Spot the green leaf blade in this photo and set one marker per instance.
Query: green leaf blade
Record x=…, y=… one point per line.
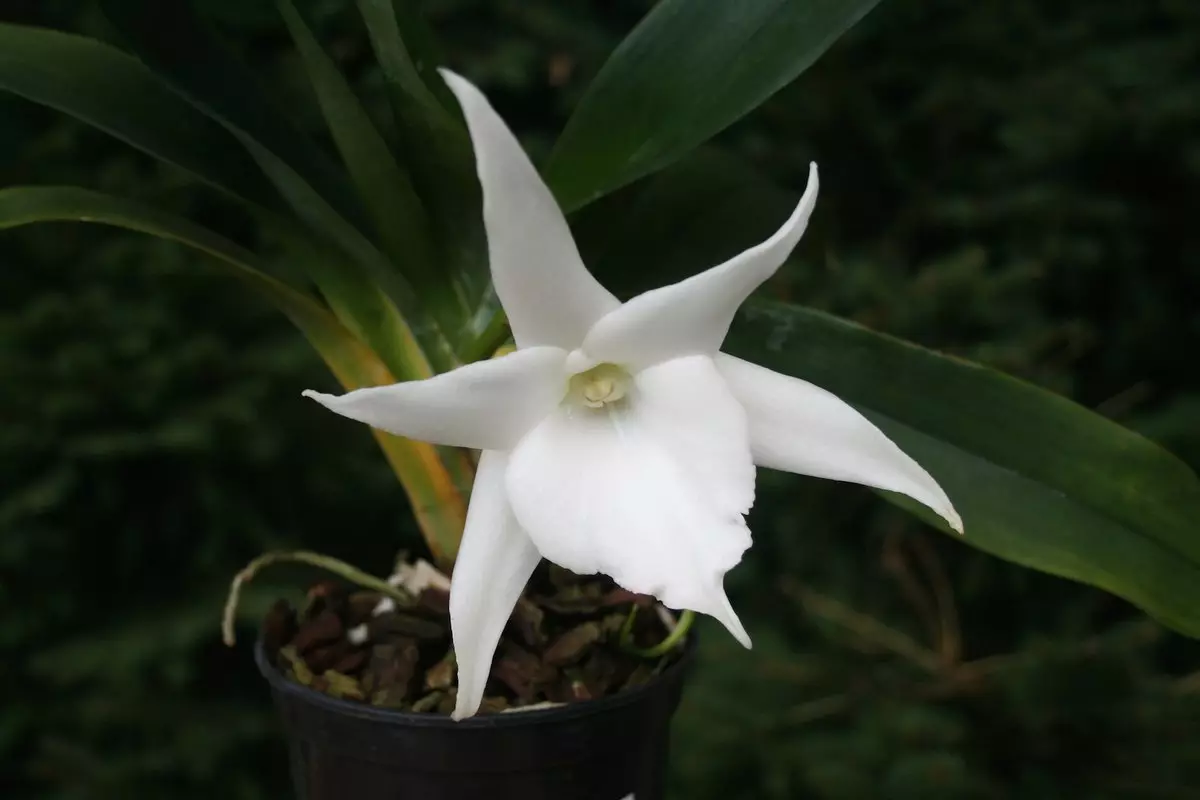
x=178, y=46
x=690, y=69
x=24, y=205
x=112, y=91
x=433, y=483
x=436, y=150
x=1084, y=546
x=397, y=214
x=357, y=281
x=170, y=38
x=401, y=28
x=1037, y=479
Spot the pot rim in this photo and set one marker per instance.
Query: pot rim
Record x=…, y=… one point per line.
x=567, y=711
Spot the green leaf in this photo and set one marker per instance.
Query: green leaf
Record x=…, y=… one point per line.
x=437, y=500
x=23, y=205
x=347, y=277
x=114, y=92
x=175, y=42
x=437, y=152
x=104, y=87
x=177, y=45
x=397, y=214
x=689, y=70
x=1037, y=479
x=409, y=57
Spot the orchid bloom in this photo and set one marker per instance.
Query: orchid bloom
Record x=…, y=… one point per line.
x=616, y=438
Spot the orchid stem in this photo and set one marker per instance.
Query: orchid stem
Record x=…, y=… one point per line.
x=673, y=640
x=328, y=563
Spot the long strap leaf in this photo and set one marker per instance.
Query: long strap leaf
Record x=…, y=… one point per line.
x=104, y=87
x=1038, y=479
x=437, y=153
x=396, y=334
x=397, y=214
x=437, y=501
x=690, y=69
x=178, y=46
x=116, y=93
x=400, y=22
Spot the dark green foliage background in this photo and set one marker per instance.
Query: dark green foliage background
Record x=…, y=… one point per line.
x=1011, y=181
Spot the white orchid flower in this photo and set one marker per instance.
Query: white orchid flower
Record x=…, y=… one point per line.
x=616, y=438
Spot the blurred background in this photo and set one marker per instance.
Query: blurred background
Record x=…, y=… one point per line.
x=1014, y=182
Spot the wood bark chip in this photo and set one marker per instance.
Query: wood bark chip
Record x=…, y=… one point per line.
x=560, y=646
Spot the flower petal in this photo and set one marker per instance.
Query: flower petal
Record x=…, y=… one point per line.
x=547, y=293
x=650, y=491
x=798, y=427
x=689, y=407
x=486, y=405
x=494, y=563
x=692, y=317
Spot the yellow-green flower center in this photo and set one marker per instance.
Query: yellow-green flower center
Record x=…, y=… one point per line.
x=600, y=386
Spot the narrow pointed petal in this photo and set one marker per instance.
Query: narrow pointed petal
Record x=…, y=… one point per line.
x=692, y=317
x=650, y=492
x=494, y=564
x=798, y=427
x=487, y=405
x=549, y=296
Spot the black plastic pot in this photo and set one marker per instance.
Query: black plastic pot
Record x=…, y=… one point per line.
x=601, y=749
